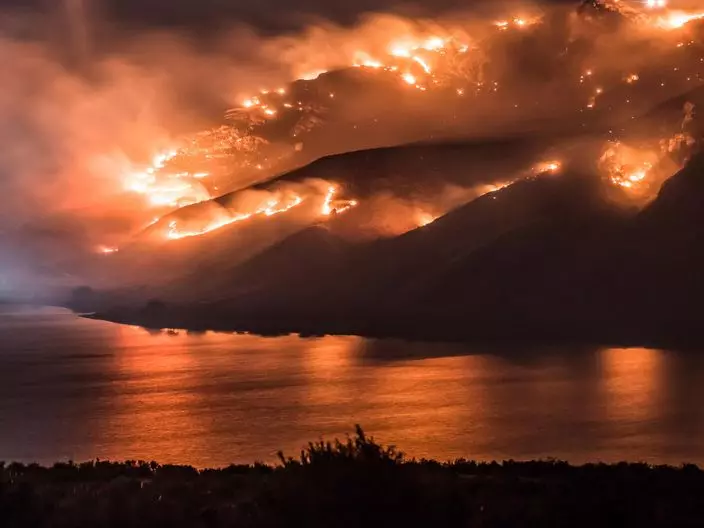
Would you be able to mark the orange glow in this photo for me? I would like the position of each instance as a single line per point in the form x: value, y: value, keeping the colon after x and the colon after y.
x: 425, y: 218
x: 311, y: 76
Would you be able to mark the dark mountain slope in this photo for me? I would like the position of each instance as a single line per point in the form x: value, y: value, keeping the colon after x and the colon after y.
x: 564, y: 265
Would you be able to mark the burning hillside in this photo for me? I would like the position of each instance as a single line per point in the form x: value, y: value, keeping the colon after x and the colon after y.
x: 455, y: 71
x: 570, y: 89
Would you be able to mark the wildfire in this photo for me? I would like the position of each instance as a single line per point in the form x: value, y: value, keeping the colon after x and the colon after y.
x: 419, y: 61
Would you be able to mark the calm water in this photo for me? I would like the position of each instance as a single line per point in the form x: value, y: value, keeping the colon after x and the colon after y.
x: 80, y: 389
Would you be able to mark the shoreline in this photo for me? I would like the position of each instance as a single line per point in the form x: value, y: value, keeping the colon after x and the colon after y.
x: 488, y: 336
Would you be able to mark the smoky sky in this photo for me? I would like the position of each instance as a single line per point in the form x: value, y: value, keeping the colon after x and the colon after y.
x: 268, y: 16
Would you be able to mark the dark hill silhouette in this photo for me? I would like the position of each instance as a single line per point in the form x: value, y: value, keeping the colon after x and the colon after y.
x: 544, y: 259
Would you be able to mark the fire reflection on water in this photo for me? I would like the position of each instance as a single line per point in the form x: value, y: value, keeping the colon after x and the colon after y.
x: 103, y: 390
x: 632, y: 380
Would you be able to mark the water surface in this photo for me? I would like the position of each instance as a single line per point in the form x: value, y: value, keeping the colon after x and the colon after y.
x: 72, y: 388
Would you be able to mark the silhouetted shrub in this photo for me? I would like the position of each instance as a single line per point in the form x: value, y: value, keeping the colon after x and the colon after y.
x: 356, y: 482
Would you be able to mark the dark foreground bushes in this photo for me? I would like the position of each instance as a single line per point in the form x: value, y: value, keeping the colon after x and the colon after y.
x: 355, y: 483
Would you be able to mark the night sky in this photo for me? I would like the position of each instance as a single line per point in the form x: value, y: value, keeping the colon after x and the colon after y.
x: 265, y: 15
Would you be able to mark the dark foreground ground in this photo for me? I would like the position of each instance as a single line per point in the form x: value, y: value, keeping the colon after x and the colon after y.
x: 354, y: 483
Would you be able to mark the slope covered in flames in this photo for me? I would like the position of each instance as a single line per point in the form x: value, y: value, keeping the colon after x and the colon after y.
x: 388, y: 191
x: 548, y: 70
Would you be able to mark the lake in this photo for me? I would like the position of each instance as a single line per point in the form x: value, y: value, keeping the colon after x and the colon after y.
x: 72, y: 388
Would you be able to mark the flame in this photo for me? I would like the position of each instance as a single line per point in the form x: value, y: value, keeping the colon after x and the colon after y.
x: 271, y: 207
x: 337, y: 206
x: 626, y: 167
x: 423, y: 64
x: 107, y: 250
x: 408, y: 78
x: 327, y: 208
x: 517, y: 21
x: 677, y: 19
x: 548, y: 166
